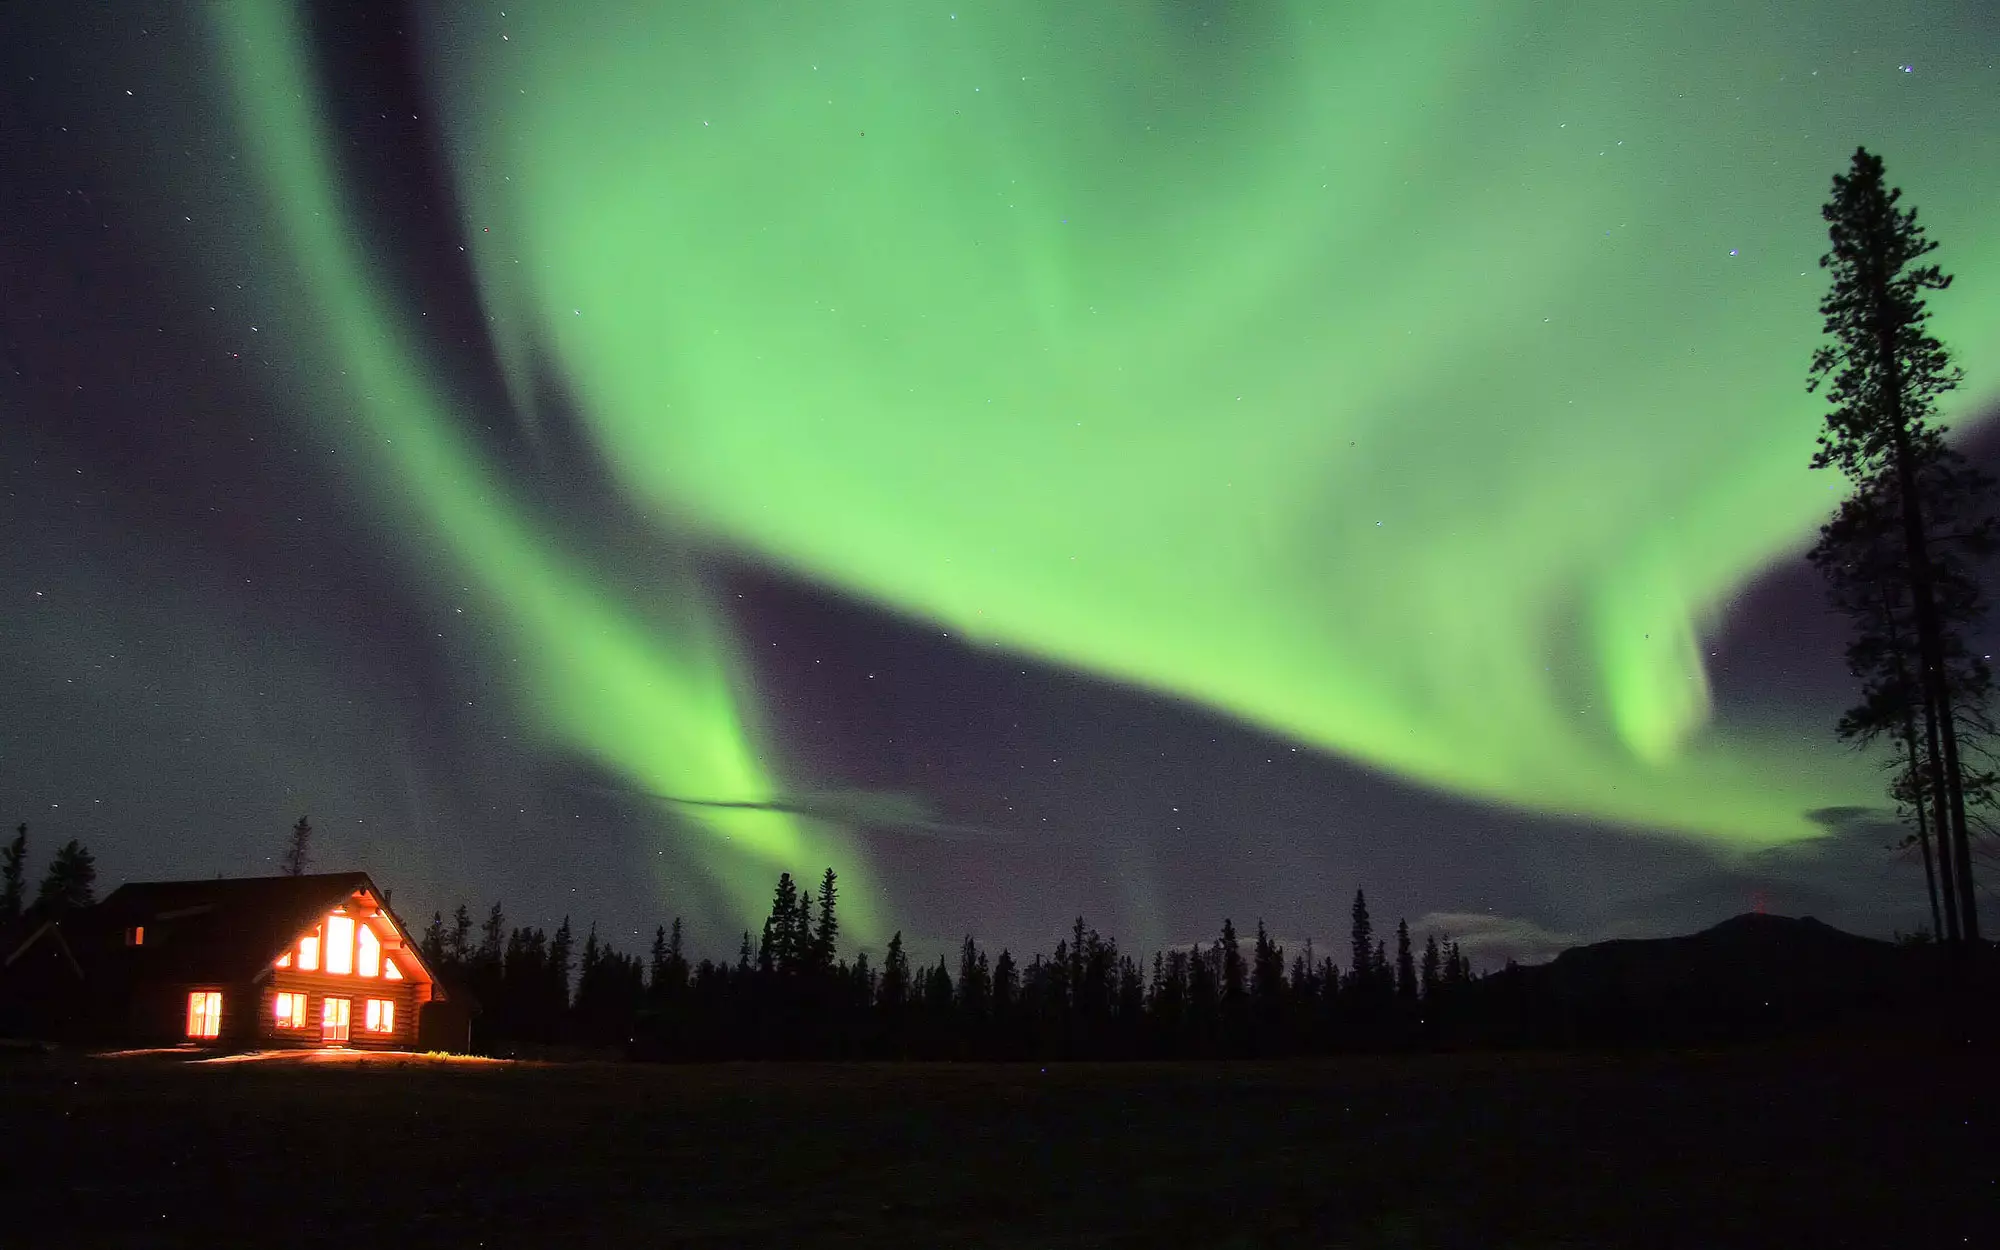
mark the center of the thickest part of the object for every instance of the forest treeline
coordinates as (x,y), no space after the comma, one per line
(790,993)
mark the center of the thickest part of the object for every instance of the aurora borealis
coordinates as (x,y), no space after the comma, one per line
(1416,384)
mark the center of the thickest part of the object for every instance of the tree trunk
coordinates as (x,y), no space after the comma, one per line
(1968,901)
(1930,630)
(1914,757)
(1915,774)
(1949,934)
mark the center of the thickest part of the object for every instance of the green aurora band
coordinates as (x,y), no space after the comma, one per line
(1416,379)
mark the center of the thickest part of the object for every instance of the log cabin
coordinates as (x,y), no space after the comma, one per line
(309,961)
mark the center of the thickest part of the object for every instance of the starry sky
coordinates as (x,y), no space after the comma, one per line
(1160,460)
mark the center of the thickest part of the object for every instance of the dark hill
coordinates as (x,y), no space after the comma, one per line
(1750,976)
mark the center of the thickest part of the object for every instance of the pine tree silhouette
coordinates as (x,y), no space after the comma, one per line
(1884,372)
(14,875)
(298,849)
(1406,967)
(828,928)
(71,883)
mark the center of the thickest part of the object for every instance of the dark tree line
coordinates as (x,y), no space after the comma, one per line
(789,993)
(69,884)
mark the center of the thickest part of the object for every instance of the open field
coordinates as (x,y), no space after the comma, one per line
(1802,1146)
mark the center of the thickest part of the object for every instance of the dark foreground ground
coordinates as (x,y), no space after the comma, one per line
(1812,1146)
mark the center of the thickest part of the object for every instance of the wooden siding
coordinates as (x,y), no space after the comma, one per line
(318,987)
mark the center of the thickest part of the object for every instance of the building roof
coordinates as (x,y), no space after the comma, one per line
(223,930)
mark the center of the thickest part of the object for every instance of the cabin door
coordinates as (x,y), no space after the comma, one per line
(333,1020)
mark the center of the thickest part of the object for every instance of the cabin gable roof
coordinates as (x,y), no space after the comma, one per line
(225,930)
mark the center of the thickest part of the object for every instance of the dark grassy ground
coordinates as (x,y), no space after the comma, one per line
(1811,1146)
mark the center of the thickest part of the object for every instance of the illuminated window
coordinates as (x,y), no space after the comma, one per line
(381,1016)
(136,935)
(369,961)
(309,953)
(290,1010)
(205,1013)
(333,1020)
(340,945)
(285,960)
(389,969)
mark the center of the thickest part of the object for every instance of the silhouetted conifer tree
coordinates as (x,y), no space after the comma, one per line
(1267,968)
(1406,967)
(1232,965)
(1432,971)
(14,875)
(656,962)
(560,966)
(431,945)
(779,949)
(894,991)
(1886,372)
(459,945)
(974,995)
(938,990)
(1006,986)
(1204,996)
(298,849)
(767,948)
(71,883)
(1363,942)
(828,928)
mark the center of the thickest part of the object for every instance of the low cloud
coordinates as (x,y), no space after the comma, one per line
(1489,940)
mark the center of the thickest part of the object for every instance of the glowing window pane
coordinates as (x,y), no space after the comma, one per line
(285,960)
(333,1020)
(389,969)
(290,1010)
(204,1013)
(309,954)
(381,1016)
(369,961)
(340,945)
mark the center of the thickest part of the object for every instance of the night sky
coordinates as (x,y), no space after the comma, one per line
(1155,460)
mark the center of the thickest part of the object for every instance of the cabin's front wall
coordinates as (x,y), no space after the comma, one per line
(402,995)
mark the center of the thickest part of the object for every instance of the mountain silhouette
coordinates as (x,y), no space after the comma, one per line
(1750,976)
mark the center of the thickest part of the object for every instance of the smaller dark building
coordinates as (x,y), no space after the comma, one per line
(316,960)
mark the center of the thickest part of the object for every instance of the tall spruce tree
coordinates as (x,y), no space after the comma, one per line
(560,963)
(1233,973)
(656,963)
(71,883)
(458,939)
(1406,966)
(782,926)
(1883,372)
(298,849)
(827,928)
(431,946)
(677,960)
(14,875)
(1006,988)
(894,990)
(1362,942)
(1267,968)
